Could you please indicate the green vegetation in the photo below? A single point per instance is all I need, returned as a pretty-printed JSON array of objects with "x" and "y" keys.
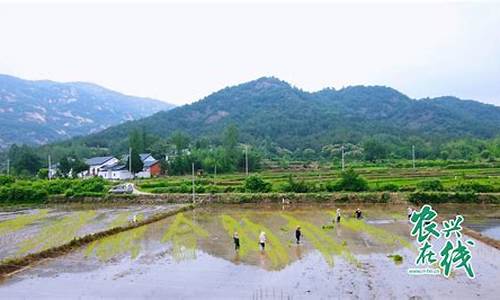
[
  {"x": 57, "y": 233},
  {"x": 323, "y": 180},
  {"x": 430, "y": 185},
  {"x": 398, "y": 259},
  {"x": 184, "y": 235},
  {"x": 19, "y": 222},
  {"x": 377, "y": 233},
  {"x": 255, "y": 184},
  {"x": 319, "y": 238},
  {"x": 128, "y": 242},
  {"x": 36, "y": 191},
  {"x": 350, "y": 181},
  {"x": 287, "y": 124}
]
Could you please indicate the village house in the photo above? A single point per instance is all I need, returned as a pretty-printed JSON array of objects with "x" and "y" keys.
[
  {"x": 109, "y": 167},
  {"x": 97, "y": 163}
]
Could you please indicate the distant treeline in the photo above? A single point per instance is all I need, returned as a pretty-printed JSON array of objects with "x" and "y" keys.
[{"x": 229, "y": 152}]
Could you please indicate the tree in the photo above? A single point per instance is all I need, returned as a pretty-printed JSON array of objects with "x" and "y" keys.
[
  {"x": 136, "y": 140},
  {"x": 255, "y": 184},
  {"x": 374, "y": 150},
  {"x": 137, "y": 164},
  {"x": 24, "y": 160},
  {"x": 43, "y": 173},
  {"x": 350, "y": 181},
  {"x": 180, "y": 140},
  {"x": 71, "y": 165},
  {"x": 230, "y": 144}
]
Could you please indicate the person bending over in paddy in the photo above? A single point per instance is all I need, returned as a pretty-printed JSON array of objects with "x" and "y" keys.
[
  {"x": 298, "y": 234},
  {"x": 338, "y": 215},
  {"x": 358, "y": 214},
  {"x": 236, "y": 239},
  {"x": 262, "y": 241},
  {"x": 410, "y": 212}
]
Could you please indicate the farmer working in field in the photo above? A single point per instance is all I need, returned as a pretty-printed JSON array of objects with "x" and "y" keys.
[
  {"x": 358, "y": 214},
  {"x": 338, "y": 215},
  {"x": 236, "y": 239},
  {"x": 262, "y": 241},
  {"x": 298, "y": 234},
  {"x": 410, "y": 212}
]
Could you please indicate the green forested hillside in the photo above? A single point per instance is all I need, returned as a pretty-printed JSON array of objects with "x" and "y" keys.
[{"x": 278, "y": 117}]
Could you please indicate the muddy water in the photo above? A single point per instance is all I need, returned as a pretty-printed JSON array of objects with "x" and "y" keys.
[
  {"x": 27, "y": 231},
  {"x": 191, "y": 255},
  {"x": 479, "y": 217}
]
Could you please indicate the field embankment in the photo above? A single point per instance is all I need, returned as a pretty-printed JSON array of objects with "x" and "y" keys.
[{"x": 343, "y": 197}]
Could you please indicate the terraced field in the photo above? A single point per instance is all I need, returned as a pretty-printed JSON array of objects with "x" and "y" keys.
[{"x": 404, "y": 178}]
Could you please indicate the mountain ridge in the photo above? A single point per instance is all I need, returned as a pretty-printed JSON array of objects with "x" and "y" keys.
[
  {"x": 271, "y": 111},
  {"x": 37, "y": 112}
]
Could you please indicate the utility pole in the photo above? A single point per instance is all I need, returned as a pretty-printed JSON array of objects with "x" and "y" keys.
[
  {"x": 246, "y": 160},
  {"x": 413, "y": 155},
  {"x": 192, "y": 173},
  {"x": 130, "y": 159},
  {"x": 215, "y": 173},
  {"x": 8, "y": 166},
  {"x": 343, "y": 163},
  {"x": 50, "y": 167}
]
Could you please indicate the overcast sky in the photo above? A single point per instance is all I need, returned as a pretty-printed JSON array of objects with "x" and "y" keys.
[{"x": 180, "y": 53}]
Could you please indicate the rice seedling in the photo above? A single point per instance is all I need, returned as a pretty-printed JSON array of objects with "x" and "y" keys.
[
  {"x": 247, "y": 241},
  {"x": 119, "y": 244},
  {"x": 120, "y": 220},
  {"x": 398, "y": 259},
  {"x": 327, "y": 246},
  {"x": 276, "y": 251},
  {"x": 184, "y": 235},
  {"x": 19, "y": 222},
  {"x": 248, "y": 232},
  {"x": 58, "y": 232},
  {"x": 377, "y": 233}
]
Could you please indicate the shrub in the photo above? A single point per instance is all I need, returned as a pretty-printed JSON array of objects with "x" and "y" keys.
[
  {"x": 389, "y": 187},
  {"x": 94, "y": 185},
  {"x": 22, "y": 193},
  {"x": 349, "y": 181},
  {"x": 474, "y": 187},
  {"x": 214, "y": 189},
  {"x": 293, "y": 186},
  {"x": 255, "y": 184},
  {"x": 59, "y": 186},
  {"x": 430, "y": 185},
  {"x": 69, "y": 193},
  {"x": 432, "y": 198},
  {"x": 6, "y": 180}
]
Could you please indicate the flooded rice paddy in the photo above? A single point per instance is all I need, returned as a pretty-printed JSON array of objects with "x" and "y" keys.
[
  {"x": 192, "y": 255},
  {"x": 28, "y": 231}
]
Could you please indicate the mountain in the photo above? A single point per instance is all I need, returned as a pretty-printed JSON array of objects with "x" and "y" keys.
[
  {"x": 39, "y": 112},
  {"x": 270, "y": 111}
]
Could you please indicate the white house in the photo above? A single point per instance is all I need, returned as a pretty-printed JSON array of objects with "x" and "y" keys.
[
  {"x": 109, "y": 167},
  {"x": 97, "y": 163},
  {"x": 116, "y": 172}
]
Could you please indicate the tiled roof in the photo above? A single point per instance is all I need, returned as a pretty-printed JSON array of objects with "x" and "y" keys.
[{"x": 94, "y": 161}]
